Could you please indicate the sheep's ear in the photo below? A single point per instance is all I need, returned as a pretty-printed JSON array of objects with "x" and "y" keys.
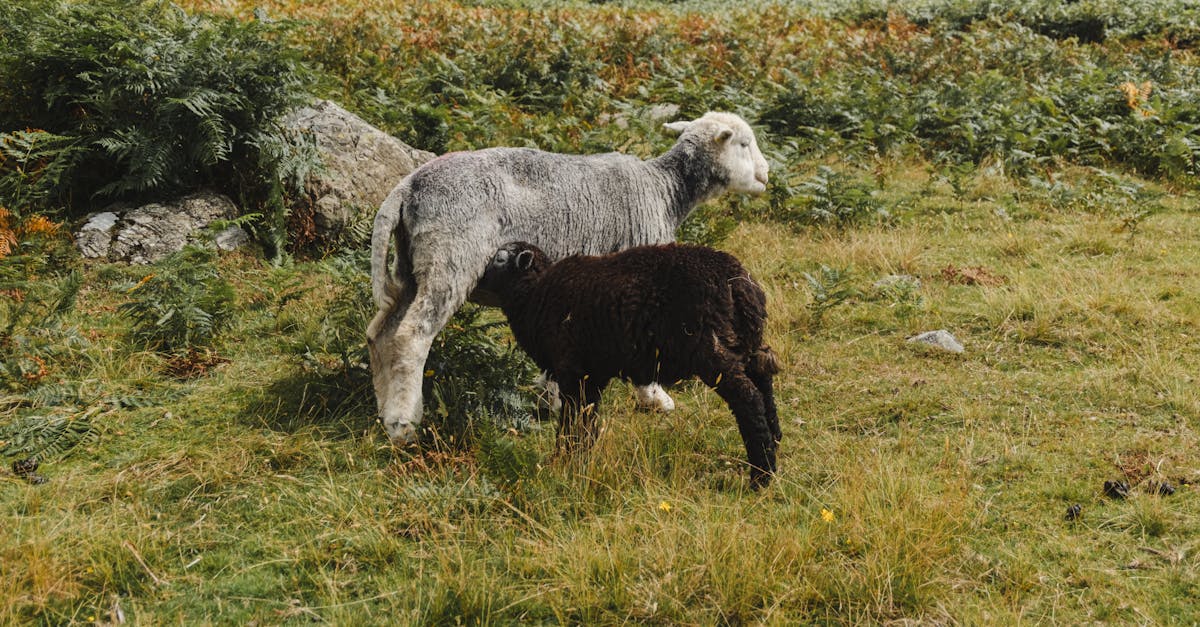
[
  {"x": 676, "y": 128},
  {"x": 723, "y": 135},
  {"x": 525, "y": 260}
]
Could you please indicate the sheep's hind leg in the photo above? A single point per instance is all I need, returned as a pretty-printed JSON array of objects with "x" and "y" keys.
[
  {"x": 761, "y": 369},
  {"x": 653, "y": 396},
  {"x": 746, "y": 402}
]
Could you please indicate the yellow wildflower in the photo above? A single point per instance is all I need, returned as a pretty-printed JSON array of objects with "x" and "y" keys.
[
  {"x": 145, "y": 280},
  {"x": 664, "y": 506},
  {"x": 826, "y": 515},
  {"x": 428, "y": 373}
]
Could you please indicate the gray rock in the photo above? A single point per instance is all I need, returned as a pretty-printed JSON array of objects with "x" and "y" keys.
[
  {"x": 361, "y": 165},
  {"x": 896, "y": 281},
  {"x": 151, "y": 232},
  {"x": 662, "y": 112},
  {"x": 231, "y": 238},
  {"x": 95, "y": 236},
  {"x": 938, "y": 339}
]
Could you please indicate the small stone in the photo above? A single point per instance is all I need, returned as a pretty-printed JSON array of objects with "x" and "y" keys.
[
  {"x": 661, "y": 112},
  {"x": 1074, "y": 511},
  {"x": 25, "y": 467},
  {"x": 231, "y": 238},
  {"x": 1162, "y": 488},
  {"x": 36, "y": 479},
  {"x": 938, "y": 339},
  {"x": 1116, "y": 489}
]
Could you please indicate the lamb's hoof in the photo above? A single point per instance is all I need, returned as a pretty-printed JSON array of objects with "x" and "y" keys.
[
  {"x": 655, "y": 398},
  {"x": 760, "y": 479}
]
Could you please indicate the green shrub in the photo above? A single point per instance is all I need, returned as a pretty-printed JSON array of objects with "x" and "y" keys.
[
  {"x": 708, "y": 225},
  {"x": 38, "y": 287},
  {"x": 127, "y": 99},
  {"x": 473, "y": 376},
  {"x": 181, "y": 304},
  {"x": 829, "y": 287},
  {"x": 828, "y": 198}
]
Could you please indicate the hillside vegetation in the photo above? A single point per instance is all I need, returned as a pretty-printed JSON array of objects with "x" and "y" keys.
[{"x": 1021, "y": 174}]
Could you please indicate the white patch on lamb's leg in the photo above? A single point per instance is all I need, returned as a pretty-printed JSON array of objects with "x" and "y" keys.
[
  {"x": 553, "y": 396},
  {"x": 654, "y": 397}
]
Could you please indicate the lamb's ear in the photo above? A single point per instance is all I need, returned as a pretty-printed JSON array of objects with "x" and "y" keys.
[
  {"x": 723, "y": 135},
  {"x": 525, "y": 260},
  {"x": 676, "y": 128}
]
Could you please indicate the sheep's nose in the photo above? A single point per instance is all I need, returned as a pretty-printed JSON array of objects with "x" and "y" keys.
[
  {"x": 401, "y": 433},
  {"x": 761, "y": 177}
]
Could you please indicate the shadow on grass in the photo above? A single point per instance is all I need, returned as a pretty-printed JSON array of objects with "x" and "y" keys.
[{"x": 338, "y": 405}]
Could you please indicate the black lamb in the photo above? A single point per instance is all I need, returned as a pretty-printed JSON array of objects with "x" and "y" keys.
[{"x": 648, "y": 314}]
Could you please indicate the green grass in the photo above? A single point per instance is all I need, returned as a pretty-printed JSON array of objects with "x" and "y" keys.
[
  {"x": 1051, "y": 224},
  {"x": 245, "y": 495}
]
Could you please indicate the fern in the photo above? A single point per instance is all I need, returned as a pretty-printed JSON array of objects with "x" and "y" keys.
[
  {"x": 48, "y": 437},
  {"x": 830, "y": 287},
  {"x": 139, "y": 99},
  {"x": 182, "y": 304},
  {"x": 38, "y": 288}
]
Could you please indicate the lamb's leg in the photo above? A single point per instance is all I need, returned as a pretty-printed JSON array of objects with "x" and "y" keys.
[
  {"x": 748, "y": 408},
  {"x": 577, "y": 422},
  {"x": 761, "y": 369},
  {"x": 399, "y": 346},
  {"x": 548, "y": 400},
  {"x": 654, "y": 397}
]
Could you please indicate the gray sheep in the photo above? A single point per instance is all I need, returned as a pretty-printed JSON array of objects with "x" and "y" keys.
[
  {"x": 647, "y": 314},
  {"x": 449, "y": 217}
]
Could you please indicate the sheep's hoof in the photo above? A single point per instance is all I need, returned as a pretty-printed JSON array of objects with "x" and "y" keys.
[{"x": 654, "y": 397}]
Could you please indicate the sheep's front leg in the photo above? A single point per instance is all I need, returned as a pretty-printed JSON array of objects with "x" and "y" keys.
[
  {"x": 748, "y": 408},
  {"x": 654, "y": 397}
]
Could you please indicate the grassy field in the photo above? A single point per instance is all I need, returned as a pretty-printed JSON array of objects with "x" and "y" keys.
[{"x": 915, "y": 485}]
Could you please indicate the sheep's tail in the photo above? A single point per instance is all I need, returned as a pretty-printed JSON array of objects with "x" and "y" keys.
[
  {"x": 764, "y": 360},
  {"x": 388, "y": 222},
  {"x": 750, "y": 317}
]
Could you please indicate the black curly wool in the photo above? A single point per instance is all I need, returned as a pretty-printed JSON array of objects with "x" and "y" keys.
[{"x": 648, "y": 314}]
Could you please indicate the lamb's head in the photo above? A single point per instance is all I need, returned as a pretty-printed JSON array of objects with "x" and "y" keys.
[
  {"x": 730, "y": 144},
  {"x": 512, "y": 263}
]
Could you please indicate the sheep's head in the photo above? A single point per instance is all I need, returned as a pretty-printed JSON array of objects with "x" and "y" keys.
[
  {"x": 514, "y": 262},
  {"x": 733, "y": 149}
]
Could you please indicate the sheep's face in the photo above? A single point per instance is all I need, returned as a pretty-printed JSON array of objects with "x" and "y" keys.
[
  {"x": 392, "y": 365},
  {"x": 734, "y": 148},
  {"x": 509, "y": 265}
]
